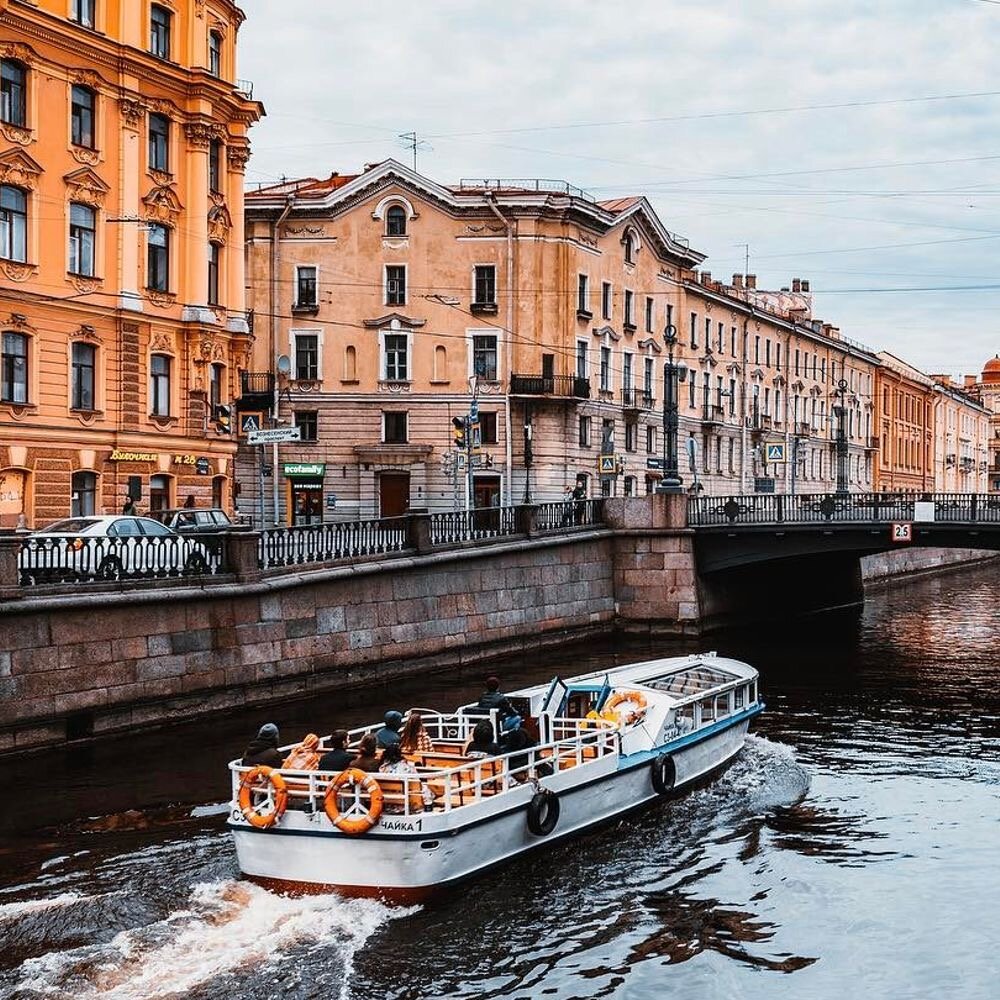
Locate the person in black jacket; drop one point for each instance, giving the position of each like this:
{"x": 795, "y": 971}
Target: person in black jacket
{"x": 263, "y": 748}
{"x": 515, "y": 738}
{"x": 338, "y": 757}
{"x": 493, "y": 699}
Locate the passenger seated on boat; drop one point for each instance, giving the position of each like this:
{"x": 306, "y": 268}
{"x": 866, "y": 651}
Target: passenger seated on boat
{"x": 393, "y": 762}
{"x": 514, "y": 738}
{"x": 305, "y": 756}
{"x": 263, "y": 748}
{"x": 338, "y": 757}
{"x": 492, "y": 699}
{"x": 415, "y": 738}
{"x": 368, "y": 758}
{"x": 482, "y": 744}
{"x": 389, "y": 733}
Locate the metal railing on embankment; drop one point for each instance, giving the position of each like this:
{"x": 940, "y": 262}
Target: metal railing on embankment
{"x": 319, "y": 543}
{"x": 857, "y": 508}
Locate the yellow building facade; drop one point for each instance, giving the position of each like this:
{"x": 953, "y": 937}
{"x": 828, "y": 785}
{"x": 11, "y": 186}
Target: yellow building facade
{"x": 123, "y": 143}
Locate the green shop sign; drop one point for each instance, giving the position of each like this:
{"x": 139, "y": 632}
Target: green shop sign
{"x": 304, "y": 468}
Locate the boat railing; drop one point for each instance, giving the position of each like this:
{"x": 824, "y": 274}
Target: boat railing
{"x": 463, "y": 783}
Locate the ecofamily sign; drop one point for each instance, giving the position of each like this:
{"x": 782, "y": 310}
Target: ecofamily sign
{"x": 317, "y": 469}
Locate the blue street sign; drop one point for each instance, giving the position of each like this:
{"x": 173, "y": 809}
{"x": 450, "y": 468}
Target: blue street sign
{"x": 474, "y": 411}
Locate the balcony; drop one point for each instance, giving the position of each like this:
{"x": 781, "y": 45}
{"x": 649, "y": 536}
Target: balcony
{"x": 712, "y": 415}
{"x": 637, "y": 399}
{"x": 803, "y": 428}
{"x": 872, "y": 444}
{"x": 484, "y": 308}
{"x": 256, "y": 390}
{"x": 245, "y": 89}
{"x": 556, "y": 386}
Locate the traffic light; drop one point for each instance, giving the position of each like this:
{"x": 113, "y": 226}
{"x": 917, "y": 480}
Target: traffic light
{"x": 458, "y": 431}
{"x": 223, "y": 416}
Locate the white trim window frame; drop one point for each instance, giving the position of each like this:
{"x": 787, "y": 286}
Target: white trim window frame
{"x": 299, "y": 268}
{"x": 582, "y": 358}
{"x": 293, "y": 351}
{"x": 391, "y": 367}
{"x": 607, "y": 300}
{"x": 583, "y": 293}
{"x": 393, "y": 294}
{"x": 482, "y": 369}
{"x": 489, "y": 300}
{"x": 607, "y": 368}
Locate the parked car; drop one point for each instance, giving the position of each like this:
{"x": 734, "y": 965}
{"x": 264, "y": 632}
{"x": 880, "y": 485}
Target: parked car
{"x": 109, "y": 547}
{"x": 185, "y": 519}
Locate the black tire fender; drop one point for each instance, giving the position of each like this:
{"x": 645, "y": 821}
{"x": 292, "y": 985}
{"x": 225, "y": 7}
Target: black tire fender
{"x": 664, "y": 774}
{"x": 543, "y": 812}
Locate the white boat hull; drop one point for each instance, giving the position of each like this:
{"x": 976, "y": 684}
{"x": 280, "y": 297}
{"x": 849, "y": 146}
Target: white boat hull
{"x": 408, "y": 858}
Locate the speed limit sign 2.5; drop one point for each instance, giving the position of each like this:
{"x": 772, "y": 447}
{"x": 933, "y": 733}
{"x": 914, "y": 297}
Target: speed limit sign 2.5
{"x": 902, "y": 533}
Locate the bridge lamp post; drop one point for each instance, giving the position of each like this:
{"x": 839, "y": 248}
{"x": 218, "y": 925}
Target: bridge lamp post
{"x": 672, "y": 374}
{"x": 840, "y": 414}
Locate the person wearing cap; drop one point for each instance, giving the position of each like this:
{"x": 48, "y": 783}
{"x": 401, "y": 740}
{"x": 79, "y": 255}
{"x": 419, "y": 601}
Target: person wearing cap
{"x": 512, "y": 739}
{"x": 263, "y": 748}
{"x": 388, "y": 735}
{"x": 493, "y": 699}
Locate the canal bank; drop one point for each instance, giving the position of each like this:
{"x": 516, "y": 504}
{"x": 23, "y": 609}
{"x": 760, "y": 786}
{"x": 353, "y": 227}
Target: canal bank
{"x": 886, "y": 567}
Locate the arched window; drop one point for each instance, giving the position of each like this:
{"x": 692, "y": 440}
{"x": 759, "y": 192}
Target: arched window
{"x": 13, "y": 93}
{"x": 159, "y": 493}
{"x": 159, "y": 385}
{"x": 395, "y": 221}
{"x": 82, "y": 116}
{"x": 440, "y": 363}
{"x": 215, "y": 53}
{"x": 630, "y": 243}
{"x": 84, "y": 487}
{"x": 350, "y": 364}
{"x": 13, "y": 223}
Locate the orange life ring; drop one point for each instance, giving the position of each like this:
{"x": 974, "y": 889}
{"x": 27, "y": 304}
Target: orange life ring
{"x": 253, "y": 814}
{"x": 356, "y": 819}
{"x": 636, "y": 698}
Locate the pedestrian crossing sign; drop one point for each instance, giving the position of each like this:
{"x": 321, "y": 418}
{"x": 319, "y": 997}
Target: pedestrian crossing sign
{"x": 251, "y": 422}
{"x": 775, "y": 452}
{"x": 607, "y": 465}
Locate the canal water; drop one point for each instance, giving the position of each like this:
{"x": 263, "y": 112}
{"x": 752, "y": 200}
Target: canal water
{"x": 852, "y": 849}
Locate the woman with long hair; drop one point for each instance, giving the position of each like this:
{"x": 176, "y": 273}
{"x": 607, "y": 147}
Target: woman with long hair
{"x": 415, "y": 738}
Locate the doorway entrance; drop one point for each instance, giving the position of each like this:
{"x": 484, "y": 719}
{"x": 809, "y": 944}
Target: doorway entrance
{"x": 307, "y": 501}
{"x": 393, "y": 494}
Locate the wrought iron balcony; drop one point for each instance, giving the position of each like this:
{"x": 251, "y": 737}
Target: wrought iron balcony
{"x": 637, "y": 399}
{"x": 558, "y": 386}
{"x": 712, "y": 414}
{"x": 256, "y": 390}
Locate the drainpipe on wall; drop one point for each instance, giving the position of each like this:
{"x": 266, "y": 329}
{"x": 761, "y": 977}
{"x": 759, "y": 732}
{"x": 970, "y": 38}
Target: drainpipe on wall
{"x": 275, "y": 321}
{"x": 509, "y": 352}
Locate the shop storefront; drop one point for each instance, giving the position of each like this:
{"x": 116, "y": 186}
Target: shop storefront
{"x": 305, "y": 491}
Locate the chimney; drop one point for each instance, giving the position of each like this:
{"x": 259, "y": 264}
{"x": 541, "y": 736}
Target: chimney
{"x": 785, "y": 288}
{"x": 970, "y": 381}
{"x": 706, "y": 277}
{"x": 737, "y": 281}
{"x": 751, "y": 281}
{"x": 796, "y": 285}
{"x": 805, "y": 285}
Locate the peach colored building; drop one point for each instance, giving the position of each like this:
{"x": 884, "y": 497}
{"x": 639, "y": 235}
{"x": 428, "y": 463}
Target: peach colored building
{"x": 905, "y": 420}
{"x": 962, "y": 433}
{"x": 377, "y": 295}
{"x": 123, "y": 142}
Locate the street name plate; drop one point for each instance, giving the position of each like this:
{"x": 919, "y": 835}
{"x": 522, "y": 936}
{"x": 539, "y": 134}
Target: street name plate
{"x": 274, "y": 435}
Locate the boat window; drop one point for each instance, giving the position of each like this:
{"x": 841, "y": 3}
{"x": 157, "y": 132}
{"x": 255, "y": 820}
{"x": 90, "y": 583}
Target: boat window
{"x": 692, "y": 680}
{"x": 707, "y": 709}
{"x": 753, "y": 692}
{"x": 740, "y": 696}
{"x": 684, "y": 718}
{"x": 721, "y": 705}
{"x": 580, "y": 703}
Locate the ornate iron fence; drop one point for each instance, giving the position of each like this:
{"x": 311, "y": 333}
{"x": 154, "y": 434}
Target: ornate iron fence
{"x": 468, "y": 525}
{"x": 318, "y": 543}
{"x": 49, "y": 559}
{"x": 569, "y": 514}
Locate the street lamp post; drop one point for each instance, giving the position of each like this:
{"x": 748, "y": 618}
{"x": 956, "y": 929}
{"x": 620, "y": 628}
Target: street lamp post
{"x": 840, "y": 412}
{"x": 672, "y": 373}
{"x": 528, "y": 454}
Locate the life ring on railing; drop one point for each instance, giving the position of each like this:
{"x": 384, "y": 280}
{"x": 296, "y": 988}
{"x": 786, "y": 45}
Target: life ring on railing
{"x": 356, "y": 819}
{"x": 543, "y": 812}
{"x": 636, "y": 698}
{"x": 254, "y": 815}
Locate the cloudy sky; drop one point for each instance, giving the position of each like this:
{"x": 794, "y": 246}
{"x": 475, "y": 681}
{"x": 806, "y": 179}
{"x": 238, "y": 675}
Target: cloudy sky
{"x": 837, "y": 138}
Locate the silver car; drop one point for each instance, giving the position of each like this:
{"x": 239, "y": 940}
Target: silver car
{"x": 108, "y": 547}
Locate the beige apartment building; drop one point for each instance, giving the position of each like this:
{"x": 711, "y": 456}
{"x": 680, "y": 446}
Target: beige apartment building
{"x": 962, "y": 433}
{"x": 985, "y": 390}
{"x": 382, "y": 300}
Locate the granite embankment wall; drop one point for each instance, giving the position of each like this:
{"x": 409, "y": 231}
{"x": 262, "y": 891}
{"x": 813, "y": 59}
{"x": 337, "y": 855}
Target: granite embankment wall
{"x": 885, "y": 567}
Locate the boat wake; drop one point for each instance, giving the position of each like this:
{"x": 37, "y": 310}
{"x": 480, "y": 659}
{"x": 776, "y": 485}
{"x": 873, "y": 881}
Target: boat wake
{"x": 224, "y": 928}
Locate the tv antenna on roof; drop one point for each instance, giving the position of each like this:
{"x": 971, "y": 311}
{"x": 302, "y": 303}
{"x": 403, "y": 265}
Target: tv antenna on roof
{"x": 413, "y": 143}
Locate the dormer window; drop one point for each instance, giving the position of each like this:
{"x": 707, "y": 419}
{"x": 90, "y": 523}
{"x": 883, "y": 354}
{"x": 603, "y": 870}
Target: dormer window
{"x": 395, "y": 221}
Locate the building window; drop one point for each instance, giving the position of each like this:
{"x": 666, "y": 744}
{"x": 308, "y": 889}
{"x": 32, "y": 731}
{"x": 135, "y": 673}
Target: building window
{"x": 305, "y": 288}
{"x": 607, "y": 437}
{"x": 13, "y": 93}
{"x": 649, "y": 314}
{"x": 650, "y": 439}
{"x": 485, "y": 285}
{"x": 159, "y": 385}
{"x": 627, "y": 372}
{"x": 647, "y": 380}
{"x": 82, "y": 230}
{"x": 14, "y": 378}
{"x": 630, "y": 486}
{"x": 606, "y": 299}
{"x": 584, "y": 432}
{"x": 307, "y": 422}
{"x": 215, "y": 377}
{"x": 484, "y": 356}
{"x": 394, "y": 426}
{"x": 159, "y": 143}
{"x": 214, "y": 258}
{"x": 83, "y": 13}
{"x": 488, "y": 426}
{"x": 84, "y": 489}
{"x": 158, "y": 260}
{"x": 629, "y": 243}
{"x": 582, "y": 368}
{"x": 395, "y": 284}
{"x": 82, "y": 117}
{"x": 215, "y": 166}
{"x": 631, "y": 437}
{"x": 397, "y": 367}
{"x": 159, "y": 493}
{"x": 630, "y": 308}
{"x": 218, "y": 491}
{"x": 159, "y": 31}
{"x": 84, "y": 359}
{"x": 694, "y": 329}
{"x": 215, "y": 53}
{"x": 583, "y": 294}
{"x": 605, "y": 369}
{"x": 395, "y": 221}
{"x": 13, "y": 223}
{"x": 306, "y": 357}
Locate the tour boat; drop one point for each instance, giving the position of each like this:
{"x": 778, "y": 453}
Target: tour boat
{"x": 607, "y": 743}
